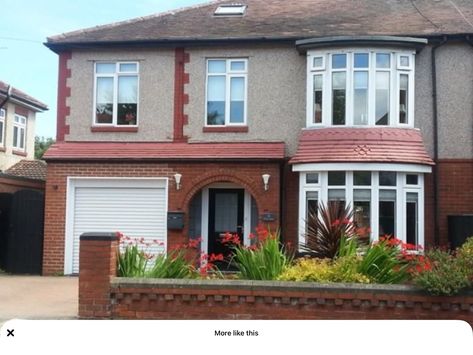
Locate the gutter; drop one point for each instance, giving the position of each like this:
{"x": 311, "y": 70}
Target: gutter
{"x": 7, "y": 97}
{"x": 436, "y": 142}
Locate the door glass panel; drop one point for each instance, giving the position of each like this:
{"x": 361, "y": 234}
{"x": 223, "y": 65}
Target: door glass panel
{"x": 226, "y": 212}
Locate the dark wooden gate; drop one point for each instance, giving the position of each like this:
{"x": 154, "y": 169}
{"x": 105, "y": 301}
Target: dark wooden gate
{"x": 24, "y": 244}
{"x": 5, "y": 203}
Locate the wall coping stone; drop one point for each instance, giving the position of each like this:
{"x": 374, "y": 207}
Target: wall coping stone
{"x": 293, "y": 286}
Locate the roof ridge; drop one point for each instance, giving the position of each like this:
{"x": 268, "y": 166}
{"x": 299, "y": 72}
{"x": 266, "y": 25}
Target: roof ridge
{"x": 134, "y": 20}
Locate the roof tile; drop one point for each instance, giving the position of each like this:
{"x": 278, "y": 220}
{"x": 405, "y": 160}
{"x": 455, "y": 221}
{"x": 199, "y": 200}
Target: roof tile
{"x": 368, "y": 145}
{"x": 164, "y": 151}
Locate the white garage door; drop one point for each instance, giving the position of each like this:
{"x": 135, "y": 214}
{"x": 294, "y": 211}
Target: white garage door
{"x": 135, "y": 207}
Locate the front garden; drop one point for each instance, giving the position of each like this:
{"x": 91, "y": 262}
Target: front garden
{"x": 335, "y": 251}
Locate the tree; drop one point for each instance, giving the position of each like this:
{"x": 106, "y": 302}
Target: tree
{"x": 41, "y": 144}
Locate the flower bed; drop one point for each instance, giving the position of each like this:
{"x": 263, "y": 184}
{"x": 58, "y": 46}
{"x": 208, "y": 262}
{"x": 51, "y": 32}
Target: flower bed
{"x": 103, "y": 295}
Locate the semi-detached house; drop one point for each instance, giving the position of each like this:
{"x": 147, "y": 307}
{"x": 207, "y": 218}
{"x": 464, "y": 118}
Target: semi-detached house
{"x": 215, "y": 118}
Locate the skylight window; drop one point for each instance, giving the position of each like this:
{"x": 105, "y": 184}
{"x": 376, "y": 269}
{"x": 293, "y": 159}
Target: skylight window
{"x": 230, "y": 10}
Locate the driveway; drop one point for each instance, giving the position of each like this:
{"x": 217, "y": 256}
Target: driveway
{"x": 38, "y": 297}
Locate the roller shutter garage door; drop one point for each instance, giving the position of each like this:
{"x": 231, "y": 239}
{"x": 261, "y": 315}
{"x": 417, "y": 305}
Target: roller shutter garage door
{"x": 135, "y": 207}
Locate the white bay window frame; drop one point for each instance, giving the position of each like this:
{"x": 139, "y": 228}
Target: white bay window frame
{"x": 401, "y": 189}
{"x": 229, "y": 74}
{"x": 115, "y": 76}
{"x": 326, "y": 70}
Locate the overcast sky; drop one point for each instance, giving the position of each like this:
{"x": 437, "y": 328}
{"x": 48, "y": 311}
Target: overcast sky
{"x": 28, "y": 65}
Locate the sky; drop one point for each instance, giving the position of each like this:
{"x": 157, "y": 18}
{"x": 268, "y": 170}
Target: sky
{"x": 29, "y": 66}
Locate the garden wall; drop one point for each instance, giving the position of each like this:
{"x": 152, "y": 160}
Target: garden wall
{"x": 102, "y": 295}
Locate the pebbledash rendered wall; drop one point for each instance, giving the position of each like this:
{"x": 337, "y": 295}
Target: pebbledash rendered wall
{"x": 102, "y": 295}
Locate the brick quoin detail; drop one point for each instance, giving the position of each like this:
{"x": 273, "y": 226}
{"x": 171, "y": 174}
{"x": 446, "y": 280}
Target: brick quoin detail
{"x": 195, "y": 175}
{"x": 180, "y": 97}
{"x": 64, "y": 92}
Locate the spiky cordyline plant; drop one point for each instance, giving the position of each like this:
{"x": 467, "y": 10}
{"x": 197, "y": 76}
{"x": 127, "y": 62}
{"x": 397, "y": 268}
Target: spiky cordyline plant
{"x": 326, "y": 227}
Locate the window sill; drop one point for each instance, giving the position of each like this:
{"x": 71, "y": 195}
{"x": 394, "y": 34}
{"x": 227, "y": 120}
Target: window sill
{"x": 228, "y": 129}
{"x": 20, "y": 153}
{"x": 114, "y": 129}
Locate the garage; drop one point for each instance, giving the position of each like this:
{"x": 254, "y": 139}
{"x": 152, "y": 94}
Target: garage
{"x": 135, "y": 207}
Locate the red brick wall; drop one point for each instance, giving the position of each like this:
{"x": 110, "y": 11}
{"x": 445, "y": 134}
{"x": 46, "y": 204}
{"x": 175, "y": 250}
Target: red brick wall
{"x": 195, "y": 176}
{"x": 290, "y": 208}
{"x": 455, "y": 196}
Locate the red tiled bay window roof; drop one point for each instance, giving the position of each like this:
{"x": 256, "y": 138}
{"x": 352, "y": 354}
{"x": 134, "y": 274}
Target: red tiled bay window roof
{"x": 164, "y": 151}
{"x": 361, "y": 145}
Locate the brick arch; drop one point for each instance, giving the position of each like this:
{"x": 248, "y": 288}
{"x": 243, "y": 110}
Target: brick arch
{"x": 211, "y": 178}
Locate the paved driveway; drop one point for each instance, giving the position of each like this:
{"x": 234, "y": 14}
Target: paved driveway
{"x": 38, "y": 297}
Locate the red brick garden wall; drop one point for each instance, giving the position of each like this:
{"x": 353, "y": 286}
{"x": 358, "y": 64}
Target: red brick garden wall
{"x": 101, "y": 295}
{"x": 195, "y": 176}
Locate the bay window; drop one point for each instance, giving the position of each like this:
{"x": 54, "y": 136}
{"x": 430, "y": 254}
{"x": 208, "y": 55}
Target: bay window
{"x": 116, "y": 94}
{"x": 360, "y": 87}
{"x": 383, "y": 202}
{"x": 226, "y": 92}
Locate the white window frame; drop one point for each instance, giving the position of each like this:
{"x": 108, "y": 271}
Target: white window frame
{"x": 115, "y": 77}
{"x": 401, "y": 189}
{"x": 3, "y": 116}
{"x": 229, "y": 74}
{"x": 20, "y": 122}
{"x": 326, "y": 70}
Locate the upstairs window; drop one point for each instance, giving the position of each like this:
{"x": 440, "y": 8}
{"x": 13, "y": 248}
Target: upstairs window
{"x": 2, "y": 126}
{"x": 19, "y": 132}
{"x": 360, "y": 88}
{"x": 226, "y": 92}
{"x": 116, "y": 94}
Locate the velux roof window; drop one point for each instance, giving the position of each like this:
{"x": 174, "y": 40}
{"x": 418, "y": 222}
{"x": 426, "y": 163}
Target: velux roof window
{"x": 230, "y": 10}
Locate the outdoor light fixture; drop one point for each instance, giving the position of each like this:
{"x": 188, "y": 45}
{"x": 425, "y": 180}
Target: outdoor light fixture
{"x": 177, "y": 177}
{"x": 265, "y": 181}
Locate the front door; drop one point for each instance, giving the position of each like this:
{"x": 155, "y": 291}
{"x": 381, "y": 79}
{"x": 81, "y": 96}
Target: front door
{"x": 225, "y": 216}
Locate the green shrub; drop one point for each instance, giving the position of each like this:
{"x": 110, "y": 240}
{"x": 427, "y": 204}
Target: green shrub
{"x": 382, "y": 262}
{"x": 447, "y": 274}
{"x": 132, "y": 262}
{"x": 173, "y": 265}
{"x": 465, "y": 254}
{"x": 324, "y": 270}
{"x": 266, "y": 259}
{"x": 326, "y": 227}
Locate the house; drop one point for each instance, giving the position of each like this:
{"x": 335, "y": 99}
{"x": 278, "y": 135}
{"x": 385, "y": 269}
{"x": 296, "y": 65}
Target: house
{"x": 217, "y": 117}
{"x": 17, "y": 125}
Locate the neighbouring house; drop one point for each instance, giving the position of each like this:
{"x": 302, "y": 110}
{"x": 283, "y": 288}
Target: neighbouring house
{"x": 17, "y": 125}
{"x": 214, "y": 118}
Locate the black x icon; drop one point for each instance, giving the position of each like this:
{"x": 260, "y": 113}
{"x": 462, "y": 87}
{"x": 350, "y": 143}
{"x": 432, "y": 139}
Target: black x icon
{"x": 10, "y": 332}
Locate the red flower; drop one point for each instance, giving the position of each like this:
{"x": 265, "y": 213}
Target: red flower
{"x": 215, "y": 257}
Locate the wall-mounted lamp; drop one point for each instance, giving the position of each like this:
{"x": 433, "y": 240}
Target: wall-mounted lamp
{"x": 266, "y": 181}
{"x": 177, "y": 178}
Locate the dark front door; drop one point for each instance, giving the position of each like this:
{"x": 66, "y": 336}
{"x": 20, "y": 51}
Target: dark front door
{"x": 225, "y": 216}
